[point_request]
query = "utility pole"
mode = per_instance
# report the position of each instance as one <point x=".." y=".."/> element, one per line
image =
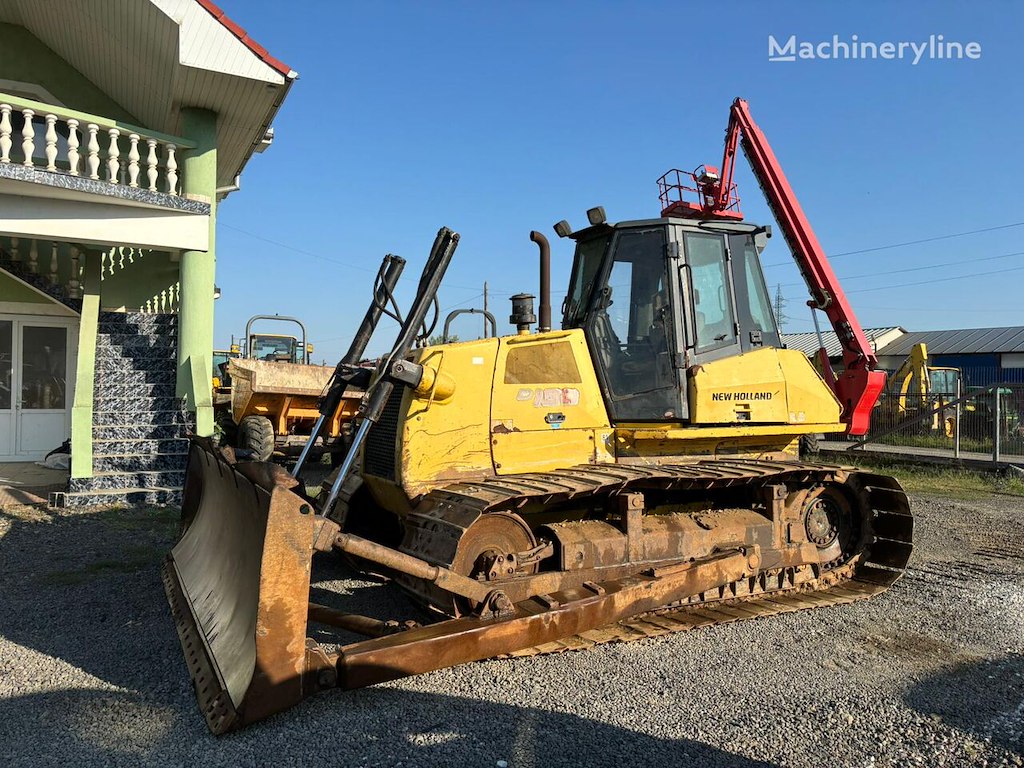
<point x="778" y="305"/>
<point x="485" y="309"/>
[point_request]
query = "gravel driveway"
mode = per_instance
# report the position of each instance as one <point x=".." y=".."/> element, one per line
<point x="931" y="673"/>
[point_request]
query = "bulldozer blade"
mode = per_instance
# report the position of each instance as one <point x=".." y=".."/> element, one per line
<point x="238" y="586"/>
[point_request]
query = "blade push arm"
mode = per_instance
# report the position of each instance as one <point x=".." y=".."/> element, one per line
<point x="859" y="385"/>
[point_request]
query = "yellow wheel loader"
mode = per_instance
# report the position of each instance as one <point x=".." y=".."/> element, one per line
<point x="631" y="474"/>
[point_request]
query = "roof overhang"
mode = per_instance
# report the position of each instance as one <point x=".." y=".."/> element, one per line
<point x="154" y="57"/>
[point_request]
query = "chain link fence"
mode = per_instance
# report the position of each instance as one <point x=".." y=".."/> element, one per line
<point x="959" y="418"/>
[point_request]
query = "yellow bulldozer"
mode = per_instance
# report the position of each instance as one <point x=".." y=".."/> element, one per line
<point x="630" y="474"/>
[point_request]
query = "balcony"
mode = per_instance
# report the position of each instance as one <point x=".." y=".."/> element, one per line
<point x="77" y="177"/>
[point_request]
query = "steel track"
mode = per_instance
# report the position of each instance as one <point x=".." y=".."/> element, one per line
<point x="884" y="506"/>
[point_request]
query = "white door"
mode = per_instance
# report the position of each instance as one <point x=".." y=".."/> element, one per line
<point x="7" y="388"/>
<point x="37" y="361"/>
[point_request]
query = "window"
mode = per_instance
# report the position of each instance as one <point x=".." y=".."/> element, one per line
<point x="43" y="367"/>
<point x="630" y="330"/>
<point x="589" y="256"/>
<point x="712" y="302"/>
<point x="754" y="306"/>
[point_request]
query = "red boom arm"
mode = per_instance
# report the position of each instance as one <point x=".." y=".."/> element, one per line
<point x="859" y="385"/>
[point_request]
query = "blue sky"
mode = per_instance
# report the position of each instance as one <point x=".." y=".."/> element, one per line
<point x="495" y="119"/>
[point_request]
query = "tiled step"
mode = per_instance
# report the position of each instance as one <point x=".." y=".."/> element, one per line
<point x="121" y="480"/>
<point x="105" y="418"/>
<point x="130" y="403"/>
<point x="146" y="353"/>
<point x="113" y="386"/>
<point x="157" y="372"/>
<point x="127" y="431"/>
<point x="133" y="464"/>
<point x="106" y="498"/>
<point x="118" y="333"/>
<point x="108" y="317"/>
<point x="132" y="340"/>
<point x="135" y="389"/>
<point x="141" y="447"/>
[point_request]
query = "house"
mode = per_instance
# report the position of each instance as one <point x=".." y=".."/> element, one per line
<point x="122" y="126"/>
<point x="985" y="356"/>
<point x="810" y="343"/>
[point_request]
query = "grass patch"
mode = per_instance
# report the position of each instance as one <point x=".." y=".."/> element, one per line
<point x="136" y="558"/>
<point x="939" y="480"/>
<point x="1010" y="446"/>
<point x="139" y="518"/>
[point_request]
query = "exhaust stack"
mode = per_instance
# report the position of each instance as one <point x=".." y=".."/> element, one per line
<point x="545" y="281"/>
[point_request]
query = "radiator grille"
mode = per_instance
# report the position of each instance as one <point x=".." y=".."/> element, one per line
<point x="379" y="458"/>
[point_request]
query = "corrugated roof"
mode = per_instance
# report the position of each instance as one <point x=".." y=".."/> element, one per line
<point x="808" y="342"/>
<point x="961" y="342"/>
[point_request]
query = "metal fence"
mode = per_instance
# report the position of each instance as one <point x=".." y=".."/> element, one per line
<point x="970" y="422"/>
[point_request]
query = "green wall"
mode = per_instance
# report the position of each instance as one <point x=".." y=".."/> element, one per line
<point x="12" y="290"/>
<point x="132" y="277"/>
<point x="24" y="58"/>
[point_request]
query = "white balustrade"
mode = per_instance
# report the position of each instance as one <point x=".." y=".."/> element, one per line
<point x="133" y="160"/>
<point x="172" y="170"/>
<point x="28" y="137"/>
<point x="151" y="161"/>
<point x="69" y="142"/>
<point x="5" y="133"/>
<point x="15" y="251"/>
<point x="74" y="289"/>
<point x="73" y="159"/>
<point x="94" y="151"/>
<point x="113" y="153"/>
<point x="33" y="258"/>
<point x="51" y="142"/>
<point x="53" y="264"/>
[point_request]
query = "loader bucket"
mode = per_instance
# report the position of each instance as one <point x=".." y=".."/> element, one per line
<point x="238" y="585"/>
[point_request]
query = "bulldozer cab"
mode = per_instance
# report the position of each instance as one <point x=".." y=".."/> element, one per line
<point x="275" y="348"/>
<point x="656" y="297"/>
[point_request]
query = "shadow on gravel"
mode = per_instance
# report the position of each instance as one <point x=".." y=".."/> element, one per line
<point x="85" y="589"/>
<point x="370" y="727"/>
<point x="983" y="698"/>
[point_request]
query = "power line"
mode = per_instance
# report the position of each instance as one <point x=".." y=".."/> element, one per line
<point x="913" y="242"/>
<point x="339" y="262"/>
<point x="918" y="269"/>
<point x="446" y="309"/>
<point x="287" y="247"/>
<point x="937" y="280"/>
<point x="943" y="310"/>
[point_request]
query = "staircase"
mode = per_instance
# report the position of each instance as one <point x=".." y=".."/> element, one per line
<point x="139" y="425"/>
<point x="20" y="270"/>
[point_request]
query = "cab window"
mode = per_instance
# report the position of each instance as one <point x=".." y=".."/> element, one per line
<point x="715" y="322"/>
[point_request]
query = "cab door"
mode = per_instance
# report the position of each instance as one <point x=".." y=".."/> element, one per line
<point x="713" y="328"/>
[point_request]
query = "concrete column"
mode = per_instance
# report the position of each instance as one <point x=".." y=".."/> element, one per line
<point x="197" y="271"/>
<point x="85" y="374"/>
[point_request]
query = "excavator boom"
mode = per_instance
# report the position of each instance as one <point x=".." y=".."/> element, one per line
<point x="859" y="385"/>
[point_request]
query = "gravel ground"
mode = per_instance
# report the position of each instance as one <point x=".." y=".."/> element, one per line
<point x="931" y="673"/>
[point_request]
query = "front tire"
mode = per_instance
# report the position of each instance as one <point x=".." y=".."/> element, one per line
<point x="809" y="447"/>
<point x="256" y="435"/>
